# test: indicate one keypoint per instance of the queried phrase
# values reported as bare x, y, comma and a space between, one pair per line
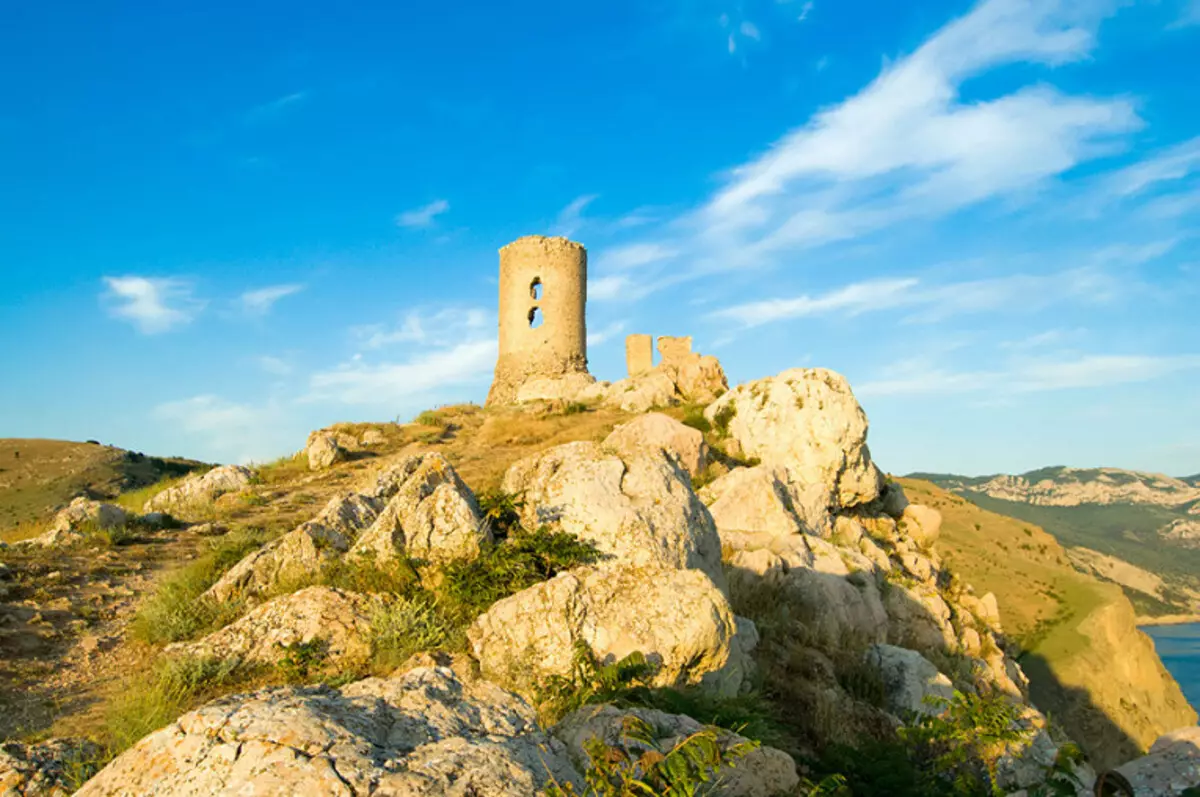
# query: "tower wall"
546, 276
639, 354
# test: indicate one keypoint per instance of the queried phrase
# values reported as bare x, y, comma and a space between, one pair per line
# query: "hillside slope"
1150, 521
37, 476
1089, 665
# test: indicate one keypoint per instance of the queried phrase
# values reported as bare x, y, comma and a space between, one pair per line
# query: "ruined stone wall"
674, 350
542, 325
639, 354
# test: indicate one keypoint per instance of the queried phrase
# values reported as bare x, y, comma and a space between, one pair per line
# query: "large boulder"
911, 684
79, 518
336, 623
567, 387
201, 488
637, 508
698, 377
654, 432
324, 452
919, 618
430, 513
1171, 766
304, 550
807, 421
762, 499
922, 524
418, 734
45, 769
677, 618
642, 393
760, 772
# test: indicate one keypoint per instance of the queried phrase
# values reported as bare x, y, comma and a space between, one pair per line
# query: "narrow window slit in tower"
535, 288
535, 318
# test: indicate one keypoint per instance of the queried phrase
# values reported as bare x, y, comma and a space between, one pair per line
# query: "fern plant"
636, 767
592, 682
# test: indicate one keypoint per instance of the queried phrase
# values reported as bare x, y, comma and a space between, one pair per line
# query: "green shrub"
640, 768
109, 537
301, 658
723, 418
694, 417
406, 626
428, 418
526, 558
574, 408
590, 682
501, 512
174, 687
176, 610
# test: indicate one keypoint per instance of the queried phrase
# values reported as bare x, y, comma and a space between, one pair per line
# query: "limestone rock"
418, 734
42, 769
74, 522
639, 509
340, 622
908, 680
807, 421
567, 387
677, 618
699, 378
655, 432
919, 618
763, 772
302, 550
762, 499
349, 513
893, 500
372, 438
324, 452
201, 488
1172, 765
922, 524
642, 393
430, 513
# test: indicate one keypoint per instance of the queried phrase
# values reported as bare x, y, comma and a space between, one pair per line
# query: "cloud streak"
423, 216
259, 302
152, 304
467, 363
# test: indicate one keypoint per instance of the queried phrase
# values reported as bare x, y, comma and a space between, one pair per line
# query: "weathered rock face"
567, 387
639, 509
430, 513
763, 772
922, 524
656, 432
677, 618
642, 393
299, 551
762, 499
910, 681
42, 769
338, 622
1172, 765
201, 488
74, 522
419, 734
323, 452
807, 421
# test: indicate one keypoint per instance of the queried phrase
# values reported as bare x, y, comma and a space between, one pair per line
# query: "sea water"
1179, 648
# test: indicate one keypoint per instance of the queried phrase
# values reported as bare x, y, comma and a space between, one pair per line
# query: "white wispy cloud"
570, 219
275, 107
1030, 376
467, 363
935, 301
441, 327
260, 300
423, 216
152, 304
232, 431
605, 334
805, 10
1168, 166
276, 366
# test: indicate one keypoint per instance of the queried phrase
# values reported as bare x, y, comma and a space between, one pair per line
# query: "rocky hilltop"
558, 597
1062, 486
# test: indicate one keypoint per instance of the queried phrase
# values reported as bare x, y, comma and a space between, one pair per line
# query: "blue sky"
223, 225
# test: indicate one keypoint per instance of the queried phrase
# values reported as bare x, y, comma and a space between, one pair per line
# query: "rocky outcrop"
677, 618
655, 432
324, 452
760, 772
430, 513
1171, 767
912, 685
808, 422
45, 769
642, 393
763, 499
336, 625
419, 734
298, 552
200, 489
81, 517
638, 509
1118, 571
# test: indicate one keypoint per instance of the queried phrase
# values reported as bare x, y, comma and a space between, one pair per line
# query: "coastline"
1169, 619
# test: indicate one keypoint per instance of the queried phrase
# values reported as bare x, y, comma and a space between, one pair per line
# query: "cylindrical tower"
543, 296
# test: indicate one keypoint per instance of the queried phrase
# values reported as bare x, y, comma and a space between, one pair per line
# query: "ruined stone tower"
543, 331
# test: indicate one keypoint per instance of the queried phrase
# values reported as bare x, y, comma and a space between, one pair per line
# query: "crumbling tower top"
543, 330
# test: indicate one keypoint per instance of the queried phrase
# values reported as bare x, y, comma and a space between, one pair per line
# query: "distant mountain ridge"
1148, 520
